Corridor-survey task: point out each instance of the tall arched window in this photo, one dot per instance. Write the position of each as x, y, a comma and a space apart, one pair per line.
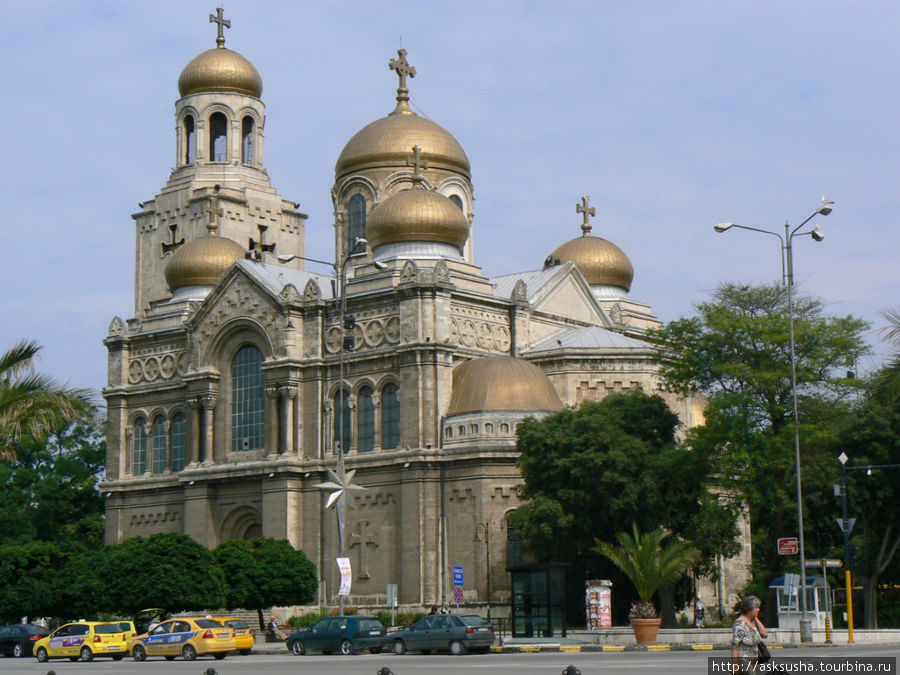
390, 417
139, 459
365, 426
189, 139
218, 137
178, 442
342, 421
158, 436
247, 140
356, 219
513, 542
247, 400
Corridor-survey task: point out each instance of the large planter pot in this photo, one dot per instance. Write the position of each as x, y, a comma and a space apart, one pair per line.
645, 630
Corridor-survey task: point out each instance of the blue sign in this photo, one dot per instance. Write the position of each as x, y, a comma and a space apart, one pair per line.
457, 575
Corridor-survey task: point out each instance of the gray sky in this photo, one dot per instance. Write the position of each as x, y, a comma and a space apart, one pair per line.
671, 115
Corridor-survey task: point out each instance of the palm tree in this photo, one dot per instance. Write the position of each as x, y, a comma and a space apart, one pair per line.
888, 379
648, 564
31, 404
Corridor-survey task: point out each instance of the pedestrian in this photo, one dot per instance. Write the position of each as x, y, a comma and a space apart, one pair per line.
699, 612
445, 609
433, 609
748, 633
271, 629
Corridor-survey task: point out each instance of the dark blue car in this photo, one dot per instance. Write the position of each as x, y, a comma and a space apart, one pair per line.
344, 634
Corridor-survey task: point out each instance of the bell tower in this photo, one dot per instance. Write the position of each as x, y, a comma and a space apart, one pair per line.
219, 125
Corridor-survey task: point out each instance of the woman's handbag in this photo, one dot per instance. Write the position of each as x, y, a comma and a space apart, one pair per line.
762, 652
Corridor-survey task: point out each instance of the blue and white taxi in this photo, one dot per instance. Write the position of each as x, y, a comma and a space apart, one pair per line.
187, 637
85, 640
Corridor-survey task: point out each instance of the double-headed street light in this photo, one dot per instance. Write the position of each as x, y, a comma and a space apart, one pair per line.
787, 274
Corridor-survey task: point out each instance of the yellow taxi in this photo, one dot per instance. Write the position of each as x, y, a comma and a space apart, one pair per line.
85, 640
243, 633
187, 637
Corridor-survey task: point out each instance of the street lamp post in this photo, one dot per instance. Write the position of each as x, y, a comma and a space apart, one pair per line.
787, 272
487, 559
341, 481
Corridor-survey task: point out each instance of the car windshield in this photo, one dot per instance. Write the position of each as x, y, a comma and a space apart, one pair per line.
474, 620
107, 628
208, 623
237, 623
370, 624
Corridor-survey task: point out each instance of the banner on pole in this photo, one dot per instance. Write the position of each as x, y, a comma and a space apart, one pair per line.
346, 575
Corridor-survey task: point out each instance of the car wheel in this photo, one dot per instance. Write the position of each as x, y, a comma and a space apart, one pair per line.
347, 647
18, 650
399, 647
219, 656
42, 655
86, 654
457, 648
189, 653
139, 653
297, 648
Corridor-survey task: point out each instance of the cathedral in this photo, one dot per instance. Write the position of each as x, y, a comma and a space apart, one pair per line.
254, 385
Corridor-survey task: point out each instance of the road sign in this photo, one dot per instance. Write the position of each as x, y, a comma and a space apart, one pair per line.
458, 575
392, 595
458, 595
788, 546
826, 562
846, 525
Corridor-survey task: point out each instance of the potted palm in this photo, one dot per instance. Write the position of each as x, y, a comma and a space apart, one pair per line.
648, 565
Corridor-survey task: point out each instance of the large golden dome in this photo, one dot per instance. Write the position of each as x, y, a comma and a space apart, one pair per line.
220, 69
496, 383
600, 261
417, 215
389, 141
202, 261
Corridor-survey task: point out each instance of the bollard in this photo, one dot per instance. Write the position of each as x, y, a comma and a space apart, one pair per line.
210, 671
571, 670
385, 671
827, 629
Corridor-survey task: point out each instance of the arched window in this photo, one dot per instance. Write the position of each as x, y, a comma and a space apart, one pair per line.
178, 442
158, 436
139, 459
247, 400
247, 140
342, 421
189, 139
390, 417
365, 426
218, 139
356, 219
513, 542
456, 199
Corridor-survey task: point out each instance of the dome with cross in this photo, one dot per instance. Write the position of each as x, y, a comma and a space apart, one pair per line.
220, 69
388, 141
600, 261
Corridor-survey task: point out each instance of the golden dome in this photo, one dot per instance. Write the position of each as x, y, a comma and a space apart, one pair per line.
600, 261
417, 215
495, 383
387, 142
202, 261
220, 69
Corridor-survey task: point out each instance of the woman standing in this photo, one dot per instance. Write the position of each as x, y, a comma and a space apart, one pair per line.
748, 632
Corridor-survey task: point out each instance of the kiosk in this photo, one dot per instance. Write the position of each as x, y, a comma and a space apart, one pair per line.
787, 591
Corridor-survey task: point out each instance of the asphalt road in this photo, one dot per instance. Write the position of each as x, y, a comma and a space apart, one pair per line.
669, 663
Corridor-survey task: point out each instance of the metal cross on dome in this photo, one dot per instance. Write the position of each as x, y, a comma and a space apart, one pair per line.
402, 68
222, 22
588, 211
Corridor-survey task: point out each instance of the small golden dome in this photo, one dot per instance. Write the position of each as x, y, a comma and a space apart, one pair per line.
220, 69
417, 215
600, 261
496, 383
202, 261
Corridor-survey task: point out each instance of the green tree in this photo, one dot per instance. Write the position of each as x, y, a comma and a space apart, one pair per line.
588, 470
264, 572
32, 405
167, 570
27, 585
49, 489
648, 563
736, 352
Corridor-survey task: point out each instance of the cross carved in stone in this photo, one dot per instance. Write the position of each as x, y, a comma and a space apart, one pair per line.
259, 247
585, 208
222, 23
363, 536
172, 244
417, 162
214, 212
402, 68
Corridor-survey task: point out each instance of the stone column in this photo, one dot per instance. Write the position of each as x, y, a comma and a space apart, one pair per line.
194, 430
208, 403
288, 394
272, 418
328, 445
128, 464
376, 405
